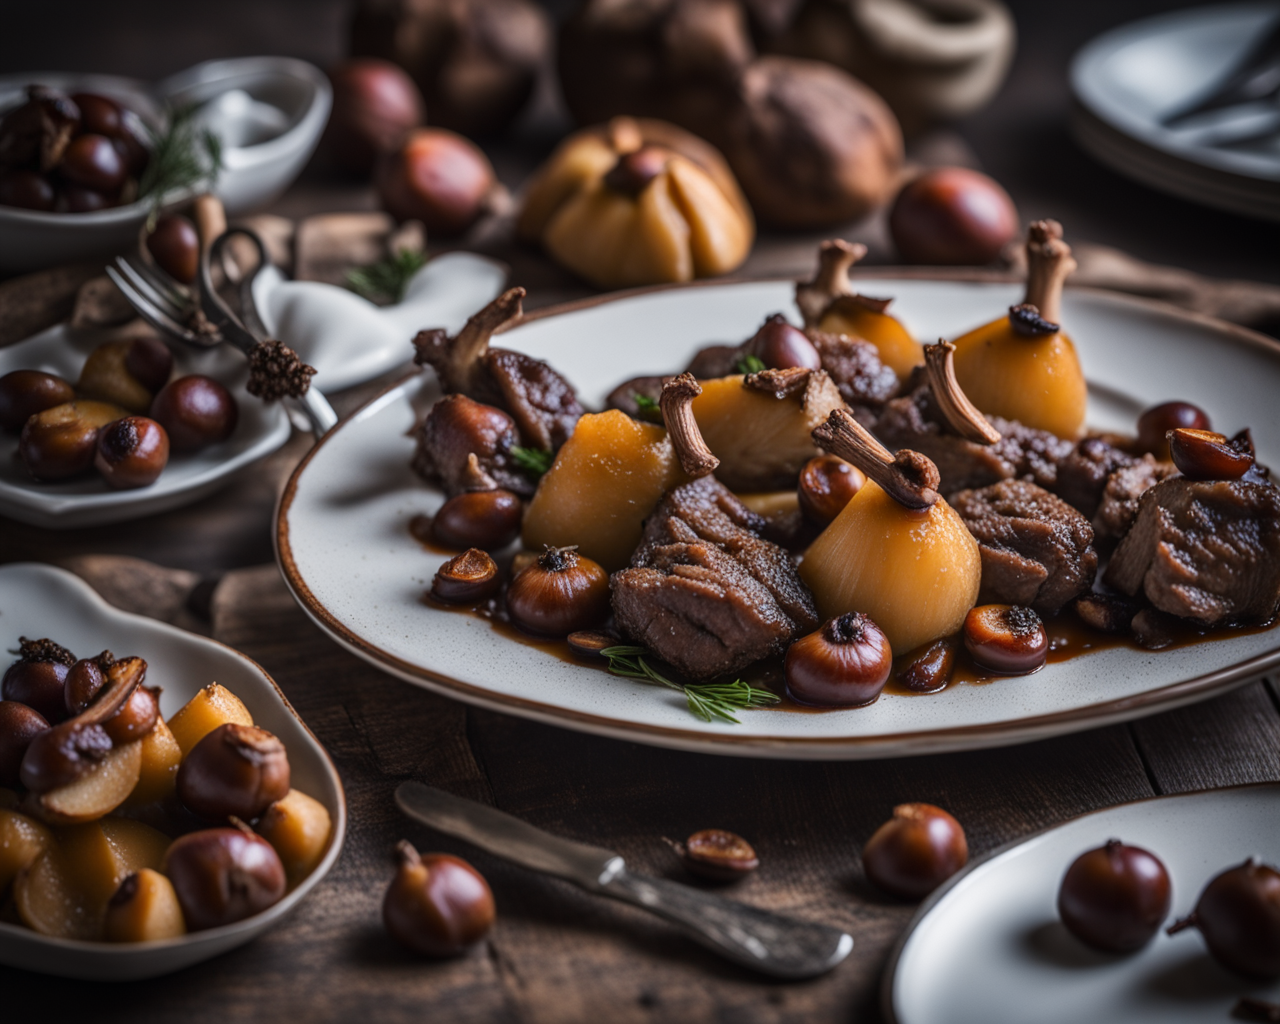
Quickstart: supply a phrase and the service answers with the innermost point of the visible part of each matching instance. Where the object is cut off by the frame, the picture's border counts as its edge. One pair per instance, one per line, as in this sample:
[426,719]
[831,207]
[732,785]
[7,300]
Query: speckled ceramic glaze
[989,948]
[39,600]
[344,543]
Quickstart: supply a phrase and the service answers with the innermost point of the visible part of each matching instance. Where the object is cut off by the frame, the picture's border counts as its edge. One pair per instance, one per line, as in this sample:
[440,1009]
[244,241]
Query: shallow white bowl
[39,600]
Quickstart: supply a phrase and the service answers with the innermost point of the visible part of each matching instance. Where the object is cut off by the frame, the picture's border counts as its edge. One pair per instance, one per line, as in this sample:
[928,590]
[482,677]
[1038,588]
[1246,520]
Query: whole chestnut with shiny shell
[1238,914]
[952,215]
[437,904]
[19,725]
[132,452]
[235,771]
[175,247]
[844,664]
[23,393]
[61,442]
[914,852]
[223,875]
[1115,897]
[195,411]
[488,520]
[561,593]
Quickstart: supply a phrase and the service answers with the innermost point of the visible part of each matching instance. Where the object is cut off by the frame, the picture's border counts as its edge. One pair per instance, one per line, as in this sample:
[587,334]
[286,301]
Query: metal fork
[171,308]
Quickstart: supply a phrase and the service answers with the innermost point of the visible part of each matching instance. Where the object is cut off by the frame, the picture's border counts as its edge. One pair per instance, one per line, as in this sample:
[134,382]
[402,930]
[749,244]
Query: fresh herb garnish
[385,280]
[183,156]
[708,701]
[644,403]
[751,364]
[533,461]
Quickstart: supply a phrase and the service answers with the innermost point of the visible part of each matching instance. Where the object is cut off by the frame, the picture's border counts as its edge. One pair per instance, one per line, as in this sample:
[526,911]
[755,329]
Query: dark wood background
[556,954]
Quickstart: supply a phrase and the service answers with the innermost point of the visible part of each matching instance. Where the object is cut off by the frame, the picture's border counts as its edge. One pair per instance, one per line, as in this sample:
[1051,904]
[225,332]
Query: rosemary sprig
[533,462]
[749,364]
[708,701]
[183,156]
[385,280]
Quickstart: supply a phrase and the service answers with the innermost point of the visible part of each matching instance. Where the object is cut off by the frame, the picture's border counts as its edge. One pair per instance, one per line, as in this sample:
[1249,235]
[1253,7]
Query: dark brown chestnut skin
[19,725]
[92,161]
[915,851]
[196,411]
[62,442]
[780,346]
[23,393]
[1205,455]
[99,114]
[149,362]
[81,199]
[952,215]
[827,483]
[718,856]
[561,593]
[436,177]
[1238,915]
[590,643]
[38,677]
[27,190]
[1115,898]
[175,247]
[1155,423]
[375,104]
[489,520]
[223,875]
[137,718]
[132,452]
[84,680]
[235,771]
[928,668]
[469,578]
[1007,639]
[844,664]
[437,905]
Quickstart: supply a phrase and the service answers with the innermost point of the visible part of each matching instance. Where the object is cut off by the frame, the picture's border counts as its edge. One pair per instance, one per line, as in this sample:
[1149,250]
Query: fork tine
[149,311]
[156,298]
[162,283]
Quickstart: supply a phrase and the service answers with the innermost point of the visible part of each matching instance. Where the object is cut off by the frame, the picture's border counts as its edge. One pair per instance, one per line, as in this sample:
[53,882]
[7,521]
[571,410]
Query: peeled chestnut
[235,771]
[23,393]
[717,855]
[1205,455]
[26,190]
[470,577]
[223,875]
[561,593]
[844,664]
[38,677]
[132,452]
[436,177]
[780,346]
[1155,423]
[437,905]
[19,725]
[915,851]
[375,104]
[61,442]
[1115,898]
[92,161]
[1007,639]
[827,483]
[478,519]
[195,411]
[136,719]
[952,215]
[175,247]
[1238,914]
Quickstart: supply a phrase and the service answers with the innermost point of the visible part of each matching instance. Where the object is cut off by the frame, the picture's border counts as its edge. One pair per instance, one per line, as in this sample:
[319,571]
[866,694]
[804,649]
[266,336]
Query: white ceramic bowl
[39,600]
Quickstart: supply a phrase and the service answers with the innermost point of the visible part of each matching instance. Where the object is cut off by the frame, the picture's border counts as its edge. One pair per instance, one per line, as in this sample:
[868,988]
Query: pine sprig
[184,156]
[708,701]
[385,281]
[533,462]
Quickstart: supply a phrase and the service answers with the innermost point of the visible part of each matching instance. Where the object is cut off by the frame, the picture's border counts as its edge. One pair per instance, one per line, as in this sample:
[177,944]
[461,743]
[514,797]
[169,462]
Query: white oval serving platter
[988,947]
[343,541]
[40,600]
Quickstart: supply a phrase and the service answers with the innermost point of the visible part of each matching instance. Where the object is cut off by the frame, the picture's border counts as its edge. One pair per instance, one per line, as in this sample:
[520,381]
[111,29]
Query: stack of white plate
[1128,81]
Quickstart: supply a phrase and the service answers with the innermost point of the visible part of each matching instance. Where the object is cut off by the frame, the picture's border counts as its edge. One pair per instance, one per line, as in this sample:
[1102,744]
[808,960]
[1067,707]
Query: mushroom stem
[960,413]
[676,404]
[457,360]
[910,478]
[474,477]
[624,135]
[835,257]
[1049,263]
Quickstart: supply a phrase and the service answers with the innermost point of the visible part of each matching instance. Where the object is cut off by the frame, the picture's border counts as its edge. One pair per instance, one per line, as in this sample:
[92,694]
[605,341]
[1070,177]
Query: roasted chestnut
[132,452]
[81,199]
[489,520]
[781,346]
[717,855]
[235,771]
[929,668]
[23,393]
[470,577]
[561,593]
[38,677]
[84,679]
[437,905]
[92,161]
[1205,455]
[952,215]
[223,875]
[844,664]
[590,643]
[195,411]
[1115,897]
[108,374]
[375,104]
[1238,914]
[175,247]
[827,483]
[1155,423]
[27,190]
[99,114]
[61,442]
[915,851]
[1007,639]
[19,725]
[436,177]
[136,718]
[149,361]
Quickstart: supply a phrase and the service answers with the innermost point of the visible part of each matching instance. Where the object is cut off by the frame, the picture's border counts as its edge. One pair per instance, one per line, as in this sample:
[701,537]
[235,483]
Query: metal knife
[766,942]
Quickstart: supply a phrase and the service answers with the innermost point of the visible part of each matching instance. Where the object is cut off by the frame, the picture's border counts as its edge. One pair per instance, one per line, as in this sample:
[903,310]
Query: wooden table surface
[557,954]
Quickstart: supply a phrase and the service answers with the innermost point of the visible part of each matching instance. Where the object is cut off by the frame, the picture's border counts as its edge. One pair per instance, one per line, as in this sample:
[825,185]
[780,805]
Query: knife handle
[781,946]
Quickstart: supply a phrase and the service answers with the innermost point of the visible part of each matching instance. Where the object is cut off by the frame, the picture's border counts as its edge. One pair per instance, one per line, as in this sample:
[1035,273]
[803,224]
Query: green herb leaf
[385,280]
[644,402]
[708,701]
[751,364]
[183,156]
[533,462]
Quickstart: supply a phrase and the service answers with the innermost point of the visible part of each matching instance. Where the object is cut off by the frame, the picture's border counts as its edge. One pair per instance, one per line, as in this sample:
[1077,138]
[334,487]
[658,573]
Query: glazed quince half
[638,202]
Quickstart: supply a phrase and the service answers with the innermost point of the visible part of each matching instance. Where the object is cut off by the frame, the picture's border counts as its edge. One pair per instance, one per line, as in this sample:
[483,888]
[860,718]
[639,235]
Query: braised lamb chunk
[1036,549]
[1083,473]
[457,428]
[715,361]
[855,367]
[1124,489]
[1206,550]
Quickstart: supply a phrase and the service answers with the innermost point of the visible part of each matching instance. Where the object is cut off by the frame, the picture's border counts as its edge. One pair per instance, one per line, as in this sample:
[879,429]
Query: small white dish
[39,600]
[87,500]
[988,947]
[343,541]
[349,340]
